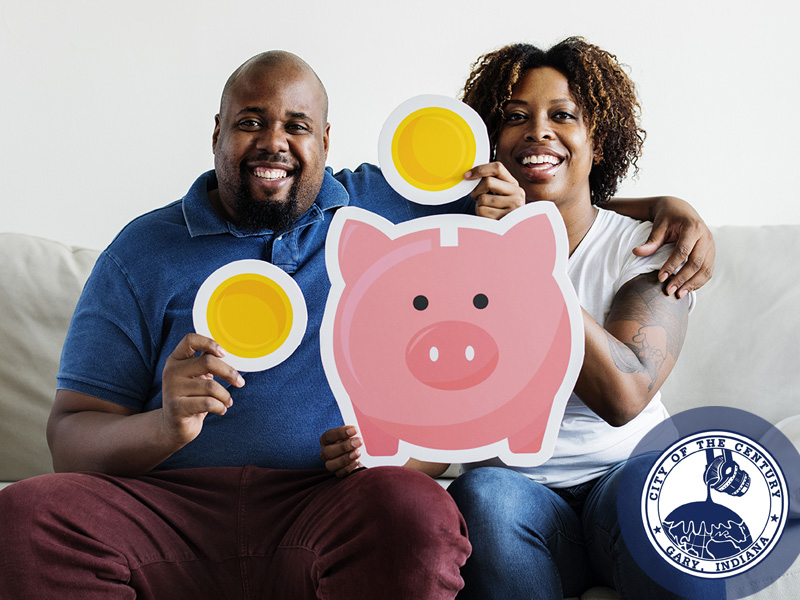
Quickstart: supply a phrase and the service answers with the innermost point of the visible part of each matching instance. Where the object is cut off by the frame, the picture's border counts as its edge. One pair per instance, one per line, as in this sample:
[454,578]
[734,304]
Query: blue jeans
[530,541]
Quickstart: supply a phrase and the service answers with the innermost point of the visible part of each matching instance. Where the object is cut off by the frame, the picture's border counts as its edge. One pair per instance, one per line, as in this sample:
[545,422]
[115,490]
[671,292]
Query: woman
[564,123]
[563,126]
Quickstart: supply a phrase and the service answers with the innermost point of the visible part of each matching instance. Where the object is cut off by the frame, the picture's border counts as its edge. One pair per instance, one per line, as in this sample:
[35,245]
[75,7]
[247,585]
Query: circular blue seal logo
[715,504]
[705,503]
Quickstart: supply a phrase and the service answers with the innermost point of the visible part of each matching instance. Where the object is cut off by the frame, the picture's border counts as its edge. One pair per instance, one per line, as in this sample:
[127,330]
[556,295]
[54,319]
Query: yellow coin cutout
[249,315]
[432,148]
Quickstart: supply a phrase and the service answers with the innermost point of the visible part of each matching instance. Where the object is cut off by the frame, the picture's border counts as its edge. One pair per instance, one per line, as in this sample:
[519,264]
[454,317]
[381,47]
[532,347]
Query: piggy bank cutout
[452,338]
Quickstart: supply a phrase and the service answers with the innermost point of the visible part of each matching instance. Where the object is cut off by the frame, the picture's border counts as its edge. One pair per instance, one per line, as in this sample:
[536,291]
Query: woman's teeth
[539,159]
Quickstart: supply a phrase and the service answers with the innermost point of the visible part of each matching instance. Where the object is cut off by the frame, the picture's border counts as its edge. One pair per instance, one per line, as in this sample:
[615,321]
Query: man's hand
[189,389]
[340,450]
[86,433]
[498,193]
[674,220]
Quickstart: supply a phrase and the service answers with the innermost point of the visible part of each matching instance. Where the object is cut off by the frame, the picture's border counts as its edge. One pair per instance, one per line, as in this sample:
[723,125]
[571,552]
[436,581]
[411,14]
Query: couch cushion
[40,281]
[741,346]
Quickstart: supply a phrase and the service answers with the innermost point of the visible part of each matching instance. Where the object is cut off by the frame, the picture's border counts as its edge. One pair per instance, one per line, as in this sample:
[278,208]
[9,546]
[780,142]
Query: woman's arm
[628,360]
[674,220]
[498,193]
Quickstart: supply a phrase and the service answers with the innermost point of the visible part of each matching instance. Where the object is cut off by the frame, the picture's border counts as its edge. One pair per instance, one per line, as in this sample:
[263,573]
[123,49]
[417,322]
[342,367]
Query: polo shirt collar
[202,219]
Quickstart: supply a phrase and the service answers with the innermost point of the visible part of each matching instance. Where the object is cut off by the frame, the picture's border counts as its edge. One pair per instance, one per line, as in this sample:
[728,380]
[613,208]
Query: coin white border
[392,175]
[270,271]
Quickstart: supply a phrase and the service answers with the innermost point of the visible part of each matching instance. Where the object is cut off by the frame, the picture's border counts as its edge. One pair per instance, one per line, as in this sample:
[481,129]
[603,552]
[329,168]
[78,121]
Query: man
[170,513]
[181,478]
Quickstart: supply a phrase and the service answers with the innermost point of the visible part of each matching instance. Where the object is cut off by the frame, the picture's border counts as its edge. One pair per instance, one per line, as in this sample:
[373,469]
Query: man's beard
[255,215]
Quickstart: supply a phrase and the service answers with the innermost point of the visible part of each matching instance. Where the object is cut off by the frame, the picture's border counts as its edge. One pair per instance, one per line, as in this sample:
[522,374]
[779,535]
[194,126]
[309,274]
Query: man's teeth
[538,159]
[270,173]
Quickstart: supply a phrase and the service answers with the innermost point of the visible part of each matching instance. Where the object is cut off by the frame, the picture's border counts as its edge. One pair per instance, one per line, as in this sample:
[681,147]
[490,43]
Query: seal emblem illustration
[715,504]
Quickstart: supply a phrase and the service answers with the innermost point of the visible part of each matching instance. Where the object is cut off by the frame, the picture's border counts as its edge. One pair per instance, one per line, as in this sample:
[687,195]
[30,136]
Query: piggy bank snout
[452,355]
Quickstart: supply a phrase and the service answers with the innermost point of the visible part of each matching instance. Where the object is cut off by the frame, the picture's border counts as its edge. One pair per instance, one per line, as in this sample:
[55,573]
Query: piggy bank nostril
[434,354]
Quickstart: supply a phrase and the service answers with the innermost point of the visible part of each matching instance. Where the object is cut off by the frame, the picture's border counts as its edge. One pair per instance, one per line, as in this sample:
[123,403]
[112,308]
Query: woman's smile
[544,141]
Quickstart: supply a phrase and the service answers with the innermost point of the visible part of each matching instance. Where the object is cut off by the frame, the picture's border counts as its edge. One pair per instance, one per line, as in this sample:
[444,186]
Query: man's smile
[271,176]
[264,173]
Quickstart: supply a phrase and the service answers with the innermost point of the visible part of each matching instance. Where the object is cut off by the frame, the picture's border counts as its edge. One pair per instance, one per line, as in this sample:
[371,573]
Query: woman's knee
[503,508]
[496,493]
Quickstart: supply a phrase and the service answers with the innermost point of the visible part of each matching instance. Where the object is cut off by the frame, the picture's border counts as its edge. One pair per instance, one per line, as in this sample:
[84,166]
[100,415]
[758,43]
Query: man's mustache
[274,159]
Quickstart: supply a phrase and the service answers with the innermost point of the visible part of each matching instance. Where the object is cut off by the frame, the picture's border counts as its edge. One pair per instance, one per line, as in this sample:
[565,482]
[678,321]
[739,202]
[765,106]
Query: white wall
[108,106]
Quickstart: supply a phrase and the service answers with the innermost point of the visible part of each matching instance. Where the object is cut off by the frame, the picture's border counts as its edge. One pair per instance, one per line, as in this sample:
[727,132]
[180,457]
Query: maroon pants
[222,533]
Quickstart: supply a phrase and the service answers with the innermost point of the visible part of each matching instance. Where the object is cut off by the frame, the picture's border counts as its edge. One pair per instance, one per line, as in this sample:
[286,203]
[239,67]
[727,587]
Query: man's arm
[90,434]
[340,453]
[626,362]
[674,220]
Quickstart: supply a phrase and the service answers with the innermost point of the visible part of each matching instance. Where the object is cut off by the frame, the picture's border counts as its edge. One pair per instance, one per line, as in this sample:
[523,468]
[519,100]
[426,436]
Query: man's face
[270,146]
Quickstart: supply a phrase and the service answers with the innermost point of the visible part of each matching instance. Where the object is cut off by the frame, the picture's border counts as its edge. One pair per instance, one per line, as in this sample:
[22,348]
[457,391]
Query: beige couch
[741,348]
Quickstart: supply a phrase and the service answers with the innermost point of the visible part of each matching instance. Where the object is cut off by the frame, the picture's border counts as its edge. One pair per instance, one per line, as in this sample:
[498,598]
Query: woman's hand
[498,193]
[340,450]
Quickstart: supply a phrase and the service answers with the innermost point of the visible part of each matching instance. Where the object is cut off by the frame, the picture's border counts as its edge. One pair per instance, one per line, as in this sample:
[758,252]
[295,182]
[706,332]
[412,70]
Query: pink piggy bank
[452,338]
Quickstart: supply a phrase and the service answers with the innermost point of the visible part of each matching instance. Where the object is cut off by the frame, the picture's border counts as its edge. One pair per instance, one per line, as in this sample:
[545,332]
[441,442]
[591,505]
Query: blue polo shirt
[137,305]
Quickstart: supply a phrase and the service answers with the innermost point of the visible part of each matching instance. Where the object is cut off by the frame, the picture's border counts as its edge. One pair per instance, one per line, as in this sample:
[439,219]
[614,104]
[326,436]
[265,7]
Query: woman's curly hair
[597,81]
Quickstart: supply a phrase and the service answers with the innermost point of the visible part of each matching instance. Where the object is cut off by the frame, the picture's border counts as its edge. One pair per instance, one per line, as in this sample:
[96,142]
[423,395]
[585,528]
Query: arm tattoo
[647,357]
[662,324]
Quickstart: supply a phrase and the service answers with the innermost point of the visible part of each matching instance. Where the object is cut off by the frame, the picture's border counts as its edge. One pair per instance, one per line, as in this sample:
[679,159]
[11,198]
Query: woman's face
[544,141]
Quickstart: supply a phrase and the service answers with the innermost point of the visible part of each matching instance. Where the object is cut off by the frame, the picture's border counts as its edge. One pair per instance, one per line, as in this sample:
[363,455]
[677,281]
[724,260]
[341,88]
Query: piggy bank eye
[480,301]
[420,303]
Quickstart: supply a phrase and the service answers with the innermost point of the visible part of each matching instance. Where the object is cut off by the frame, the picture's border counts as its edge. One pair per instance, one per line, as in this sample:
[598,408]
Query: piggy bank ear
[360,245]
[533,237]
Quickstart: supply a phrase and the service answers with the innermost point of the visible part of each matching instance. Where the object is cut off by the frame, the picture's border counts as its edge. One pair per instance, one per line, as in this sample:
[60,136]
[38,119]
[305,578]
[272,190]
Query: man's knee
[14,508]
[399,532]
[404,500]
[47,506]
[28,529]
[24,502]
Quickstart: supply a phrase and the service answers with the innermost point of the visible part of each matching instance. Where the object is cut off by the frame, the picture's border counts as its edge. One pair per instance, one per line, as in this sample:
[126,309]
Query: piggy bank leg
[528,440]
[376,441]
